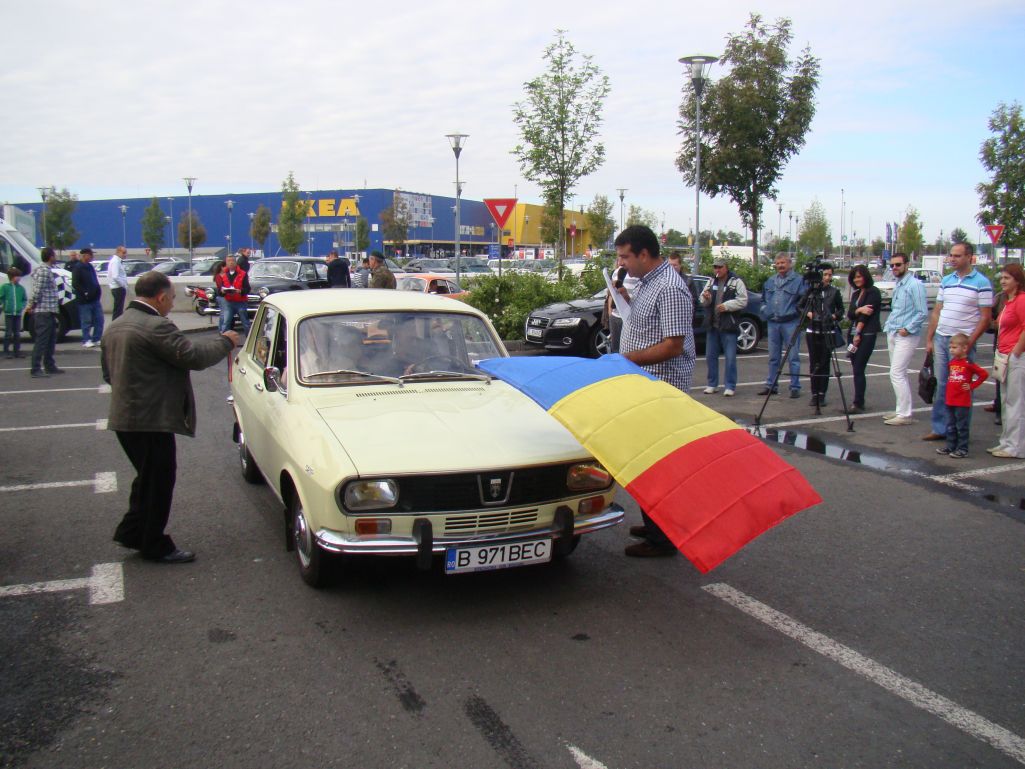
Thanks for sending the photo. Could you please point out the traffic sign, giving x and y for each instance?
(996, 231)
(501, 209)
(572, 230)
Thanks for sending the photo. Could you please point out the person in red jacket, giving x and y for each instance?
(963, 376)
(232, 284)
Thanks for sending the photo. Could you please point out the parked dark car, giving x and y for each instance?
(428, 265)
(291, 273)
(574, 327)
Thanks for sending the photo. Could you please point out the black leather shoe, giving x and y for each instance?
(55, 371)
(814, 401)
(639, 531)
(795, 393)
(178, 556)
(766, 391)
(40, 375)
(648, 550)
(124, 544)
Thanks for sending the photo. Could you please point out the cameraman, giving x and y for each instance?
(825, 309)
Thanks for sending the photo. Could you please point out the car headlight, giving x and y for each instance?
(563, 322)
(263, 292)
(371, 495)
(587, 476)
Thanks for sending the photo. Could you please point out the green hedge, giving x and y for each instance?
(510, 299)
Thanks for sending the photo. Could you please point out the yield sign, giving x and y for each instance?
(501, 209)
(995, 231)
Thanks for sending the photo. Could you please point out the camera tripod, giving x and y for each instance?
(813, 302)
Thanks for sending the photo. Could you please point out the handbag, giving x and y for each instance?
(1000, 360)
(838, 340)
(927, 380)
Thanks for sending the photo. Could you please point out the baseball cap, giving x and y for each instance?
(718, 262)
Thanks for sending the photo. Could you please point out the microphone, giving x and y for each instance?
(620, 275)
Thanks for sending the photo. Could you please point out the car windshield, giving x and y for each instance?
(409, 283)
(364, 348)
(269, 269)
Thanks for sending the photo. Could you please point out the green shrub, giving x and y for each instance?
(508, 300)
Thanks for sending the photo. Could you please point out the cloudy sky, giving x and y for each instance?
(117, 99)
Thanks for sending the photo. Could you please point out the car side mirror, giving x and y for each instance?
(272, 379)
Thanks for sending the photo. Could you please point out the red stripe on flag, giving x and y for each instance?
(714, 495)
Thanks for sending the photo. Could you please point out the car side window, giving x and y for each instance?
(279, 355)
(309, 273)
(265, 336)
(321, 271)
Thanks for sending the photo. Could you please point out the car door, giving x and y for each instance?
(697, 286)
(258, 407)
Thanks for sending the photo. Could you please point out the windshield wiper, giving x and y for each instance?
(381, 377)
(456, 374)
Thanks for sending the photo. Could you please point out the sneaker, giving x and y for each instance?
(1003, 454)
(900, 421)
(991, 450)
(708, 390)
(89, 345)
(729, 393)
(891, 415)
(958, 454)
(795, 393)
(944, 450)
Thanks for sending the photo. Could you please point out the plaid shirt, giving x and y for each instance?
(662, 307)
(44, 291)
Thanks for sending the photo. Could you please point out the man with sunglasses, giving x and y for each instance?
(964, 305)
(908, 312)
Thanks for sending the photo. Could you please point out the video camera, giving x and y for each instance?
(813, 271)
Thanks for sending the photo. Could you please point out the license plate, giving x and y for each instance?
(460, 560)
(535, 333)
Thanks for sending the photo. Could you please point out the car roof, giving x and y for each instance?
(431, 275)
(317, 301)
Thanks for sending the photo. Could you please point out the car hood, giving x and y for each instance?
(438, 427)
(274, 284)
(572, 307)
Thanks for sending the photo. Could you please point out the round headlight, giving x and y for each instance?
(371, 495)
(263, 292)
(588, 476)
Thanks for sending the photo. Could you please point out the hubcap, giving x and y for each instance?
(303, 538)
(242, 451)
(601, 342)
(747, 336)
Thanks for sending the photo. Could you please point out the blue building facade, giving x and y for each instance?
(331, 221)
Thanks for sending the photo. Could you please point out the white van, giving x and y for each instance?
(12, 245)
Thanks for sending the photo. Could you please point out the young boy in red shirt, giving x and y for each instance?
(963, 377)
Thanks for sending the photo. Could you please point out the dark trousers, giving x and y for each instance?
(819, 348)
(44, 324)
(149, 504)
(12, 335)
(859, 362)
(655, 535)
(118, 295)
(958, 420)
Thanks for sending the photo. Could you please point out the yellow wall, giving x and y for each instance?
(528, 233)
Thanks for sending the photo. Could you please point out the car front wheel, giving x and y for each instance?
(598, 342)
(313, 562)
(749, 333)
(250, 472)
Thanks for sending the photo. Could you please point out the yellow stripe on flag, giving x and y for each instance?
(644, 408)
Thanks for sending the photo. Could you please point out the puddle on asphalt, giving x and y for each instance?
(881, 462)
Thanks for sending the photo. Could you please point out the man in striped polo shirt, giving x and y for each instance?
(964, 305)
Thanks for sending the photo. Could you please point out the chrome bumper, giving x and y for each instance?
(354, 544)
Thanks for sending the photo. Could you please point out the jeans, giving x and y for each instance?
(940, 363)
(118, 295)
(779, 338)
(901, 349)
(12, 334)
(90, 314)
(228, 312)
(725, 342)
(958, 419)
(45, 327)
(859, 362)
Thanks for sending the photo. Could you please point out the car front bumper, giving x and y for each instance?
(424, 544)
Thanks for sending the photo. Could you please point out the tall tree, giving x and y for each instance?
(910, 239)
(814, 236)
(153, 227)
(362, 234)
(958, 235)
(292, 217)
(60, 225)
(1003, 155)
(260, 227)
(637, 215)
(600, 220)
(551, 228)
(753, 120)
(197, 231)
(395, 222)
(558, 122)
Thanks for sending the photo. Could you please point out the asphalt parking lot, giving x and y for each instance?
(881, 628)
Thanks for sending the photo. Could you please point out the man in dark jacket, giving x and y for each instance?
(87, 294)
(338, 271)
(146, 361)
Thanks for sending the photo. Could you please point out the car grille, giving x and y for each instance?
(535, 322)
(496, 521)
(471, 491)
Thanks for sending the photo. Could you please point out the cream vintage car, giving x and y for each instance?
(364, 412)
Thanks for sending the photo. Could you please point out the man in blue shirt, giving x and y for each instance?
(781, 295)
(903, 329)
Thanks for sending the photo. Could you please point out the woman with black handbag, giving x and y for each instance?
(863, 313)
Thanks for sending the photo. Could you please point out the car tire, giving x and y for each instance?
(749, 334)
(598, 341)
(250, 471)
(314, 563)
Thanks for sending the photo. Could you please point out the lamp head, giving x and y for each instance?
(457, 141)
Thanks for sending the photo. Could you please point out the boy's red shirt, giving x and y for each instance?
(961, 371)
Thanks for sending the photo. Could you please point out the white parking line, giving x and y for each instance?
(966, 720)
(842, 418)
(583, 760)
(102, 483)
(104, 388)
(99, 424)
(105, 585)
(1005, 468)
(66, 368)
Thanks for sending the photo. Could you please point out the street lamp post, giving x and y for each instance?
(44, 193)
(622, 194)
(779, 228)
(526, 225)
(124, 227)
(252, 216)
(189, 181)
(171, 201)
(170, 226)
(573, 238)
(231, 205)
(457, 140)
(699, 66)
(790, 234)
(797, 226)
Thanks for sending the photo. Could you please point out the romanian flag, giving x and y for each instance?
(708, 484)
